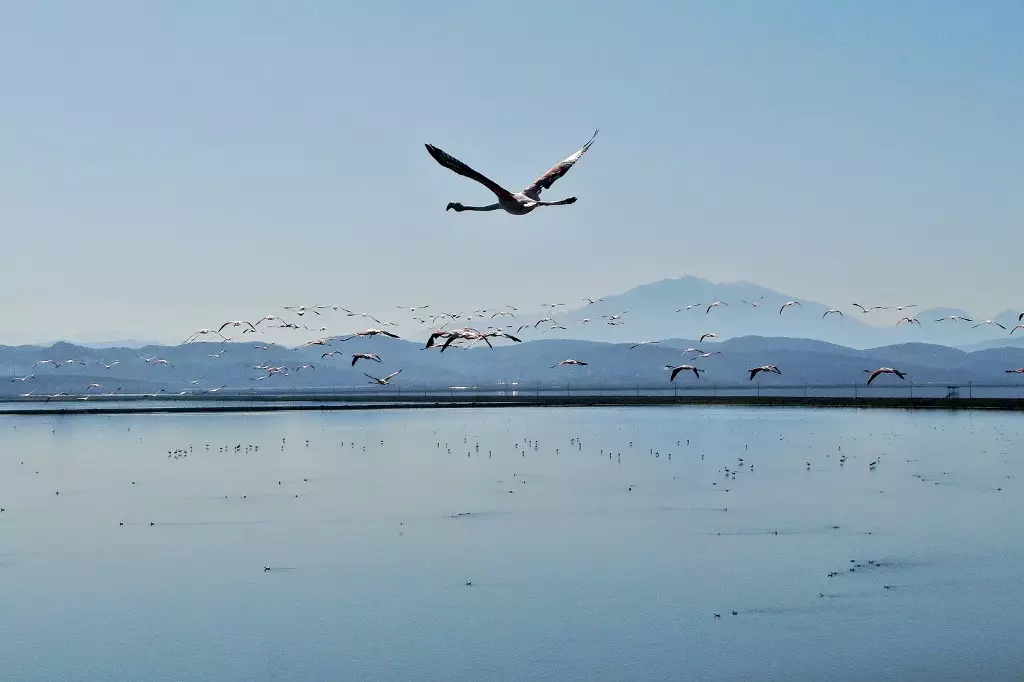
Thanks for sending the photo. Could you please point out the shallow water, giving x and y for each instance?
(596, 560)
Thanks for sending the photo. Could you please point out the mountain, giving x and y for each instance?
(657, 311)
(527, 365)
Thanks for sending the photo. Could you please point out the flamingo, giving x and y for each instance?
(867, 310)
(519, 203)
(884, 370)
(385, 380)
(1019, 326)
(954, 318)
(787, 304)
(237, 323)
(763, 368)
(570, 361)
(1019, 370)
(682, 368)
(833, 311)
(24, 379)
(707, 335)
(363, 356)
(715, 305)
(204, 332)
(372, 332)
(755, 303)
(706, 355)
(301, 310)
(643, 343)
(592, 301)
(306, 366)
(412, 308)
(111, 365)
(690, 307)
(909, 320)
(980, 324)
(268, 318)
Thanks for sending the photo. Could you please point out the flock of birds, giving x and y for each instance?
(443, 337)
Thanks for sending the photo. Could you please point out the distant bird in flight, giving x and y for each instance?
(715, 305)
(1019, 370)
(763, 368)
(111, 365)
(909, 320)
(25, 378)
(592, 301)
(237, 323)
(867, 310)
(385, 380)
(690, 307)
(884, 370)
(706, 355)
(682, 368)
(833, 311)
(1019, 326)
(954, 318)
(570, 361)
(301, 310)
(413, 308)
(204, 332)
(901, 308)
(363, 356)
(519, 203)
(787, 304)
(372, 332)
(755, 303)
(707, 335)
(981, 324)
(642, 343)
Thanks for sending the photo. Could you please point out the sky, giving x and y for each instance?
(166, 166)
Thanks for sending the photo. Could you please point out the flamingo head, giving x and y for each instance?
(456, 205)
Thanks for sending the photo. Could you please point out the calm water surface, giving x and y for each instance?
(603, 558)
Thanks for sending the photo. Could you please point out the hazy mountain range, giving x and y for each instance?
(805, 345)
(650, 314)
(529, 363)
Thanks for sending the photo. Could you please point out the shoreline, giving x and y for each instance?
(408, 402)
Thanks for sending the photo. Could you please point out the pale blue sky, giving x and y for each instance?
(166, 166)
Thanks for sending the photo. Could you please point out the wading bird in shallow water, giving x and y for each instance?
(788, 304)
(356, 357)
(763, 368)
(884, 370)
(682, 368)
(570, 361)
(385, 380)
(519, 203)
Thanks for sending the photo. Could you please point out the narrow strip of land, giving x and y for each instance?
(350, 403)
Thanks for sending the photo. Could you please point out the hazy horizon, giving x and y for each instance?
(169, 167)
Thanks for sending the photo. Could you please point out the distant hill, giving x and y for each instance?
(657, 311)
(526, 364)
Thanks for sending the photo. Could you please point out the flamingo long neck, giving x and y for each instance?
(562, 202)
(489, 207)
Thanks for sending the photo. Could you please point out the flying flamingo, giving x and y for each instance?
(788, 304)
(682, 368)
(570, 361)
(715, 305)
(884, 370)
(980, 324)
(385, 380)
(1019, 326)
(833, 311)
(909, 320)
(362, 356)
(707, 335)
(519, 203)
(763, 368)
